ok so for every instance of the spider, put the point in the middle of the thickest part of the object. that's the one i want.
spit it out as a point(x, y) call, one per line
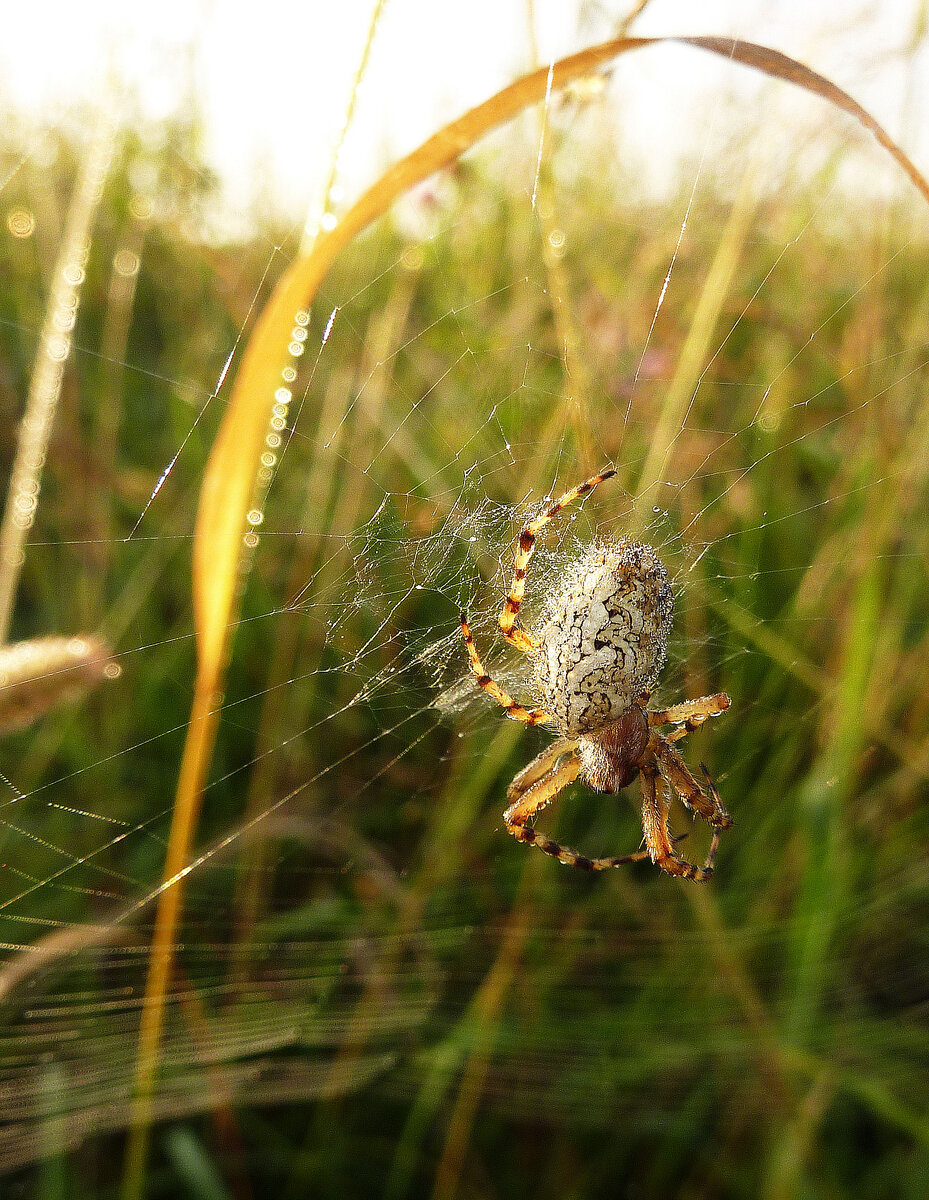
point(596, 660)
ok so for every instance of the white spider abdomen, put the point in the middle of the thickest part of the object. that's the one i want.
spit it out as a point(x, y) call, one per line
point(604, 636)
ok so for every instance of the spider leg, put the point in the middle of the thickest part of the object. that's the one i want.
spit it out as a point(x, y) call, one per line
point(690, 714)
point(540, 765)
point(526, 801)
point(535, 787)
point(525, 548)
point(678, 775)
point(535, 798)
point(531, 716)
point(716, 798)
point(661, 846)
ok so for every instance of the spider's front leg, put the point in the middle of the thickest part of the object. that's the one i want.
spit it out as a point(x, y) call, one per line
point(689, 714)
point(655, 803)
point(540, 766)
point(673, 767)
point(535, 787)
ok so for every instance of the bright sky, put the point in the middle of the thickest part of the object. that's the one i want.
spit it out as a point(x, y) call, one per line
point(272, 79)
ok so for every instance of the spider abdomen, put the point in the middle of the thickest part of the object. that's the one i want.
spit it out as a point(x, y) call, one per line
point(604, 637)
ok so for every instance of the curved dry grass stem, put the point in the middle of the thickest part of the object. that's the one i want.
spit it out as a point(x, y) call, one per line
point(229, 480)
point(634, 12)
point(230, 473)
point(47, 373)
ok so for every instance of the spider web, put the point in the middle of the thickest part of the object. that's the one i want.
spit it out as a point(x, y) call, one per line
point(353, 890)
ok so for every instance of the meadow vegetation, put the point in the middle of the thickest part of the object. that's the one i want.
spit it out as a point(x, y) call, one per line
point(378, 993)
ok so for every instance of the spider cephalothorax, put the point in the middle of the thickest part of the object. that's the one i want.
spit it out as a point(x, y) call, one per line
point(595, 661)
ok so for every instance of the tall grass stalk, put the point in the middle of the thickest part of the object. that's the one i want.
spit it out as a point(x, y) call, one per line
point(483, 1022)
point(574, 405)
point(695, 359)
point(50, 363)
point(323, 204)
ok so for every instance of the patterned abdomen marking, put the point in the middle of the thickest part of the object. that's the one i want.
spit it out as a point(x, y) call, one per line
point(604, 637)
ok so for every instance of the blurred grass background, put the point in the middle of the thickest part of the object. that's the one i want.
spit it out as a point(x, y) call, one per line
point(377, 992)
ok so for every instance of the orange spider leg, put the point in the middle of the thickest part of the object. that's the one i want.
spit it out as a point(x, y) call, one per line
point(530, 800)
point(690, 714)
point(678, 774)
point(535, 787)
point(540, 765)
point(524, 550)
point(535, 798)
point(658, 836)
point(531, 716)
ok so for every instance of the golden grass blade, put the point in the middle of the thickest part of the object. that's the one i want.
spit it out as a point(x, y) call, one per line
point(229, 480)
